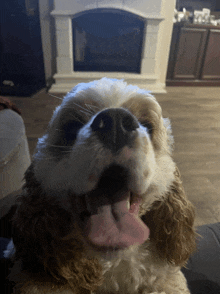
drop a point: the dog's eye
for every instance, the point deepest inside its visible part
(148, 126)
(70, 129)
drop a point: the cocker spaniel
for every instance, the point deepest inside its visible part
(103, 209)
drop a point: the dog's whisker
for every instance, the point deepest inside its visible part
(58, 146)
(93, 108)
(131, 105)
(47, 158)
(88, 114)
(56, 97)
(58, 130)
(83, 109)
(80, 106)
(66, 151)
(77, 118)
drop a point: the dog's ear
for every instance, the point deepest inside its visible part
(170, 221)
(45, 244)
(37, 221)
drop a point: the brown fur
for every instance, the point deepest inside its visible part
(41, 226)
(171, 225)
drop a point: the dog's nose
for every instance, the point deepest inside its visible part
(115, 127)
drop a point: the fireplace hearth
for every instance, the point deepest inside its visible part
(115, 39)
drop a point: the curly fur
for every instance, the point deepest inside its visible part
(171, 224)
(41, 225)
(51, 253)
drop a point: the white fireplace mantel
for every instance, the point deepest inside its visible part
(65, 10)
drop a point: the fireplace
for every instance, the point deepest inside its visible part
(107, 41)
(115, 39)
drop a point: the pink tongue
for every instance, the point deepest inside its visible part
(115, 226)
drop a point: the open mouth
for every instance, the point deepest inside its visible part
(110, 218)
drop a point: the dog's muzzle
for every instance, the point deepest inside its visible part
(116, 128)
(110, 213)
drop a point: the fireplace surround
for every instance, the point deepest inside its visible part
(66, 12)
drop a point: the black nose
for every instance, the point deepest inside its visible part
(115, 127)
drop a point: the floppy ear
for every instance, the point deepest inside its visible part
(170, 221)
(44, 244)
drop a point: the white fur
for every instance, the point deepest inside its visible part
(88, 157)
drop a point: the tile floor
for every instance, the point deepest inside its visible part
(195, 117)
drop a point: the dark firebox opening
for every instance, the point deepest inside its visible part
(107, 41)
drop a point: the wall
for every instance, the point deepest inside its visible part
(48, 39)
(165, 35)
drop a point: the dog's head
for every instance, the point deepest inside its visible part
(103, 175)
(109, 147)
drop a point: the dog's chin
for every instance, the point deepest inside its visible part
(108, 216)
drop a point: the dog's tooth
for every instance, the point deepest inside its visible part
(128, 203)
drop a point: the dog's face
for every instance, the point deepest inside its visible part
(107, 157)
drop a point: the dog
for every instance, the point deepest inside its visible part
(103, 209)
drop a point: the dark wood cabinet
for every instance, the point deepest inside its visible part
(194, 55)
(190, 52)
(211, 67)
